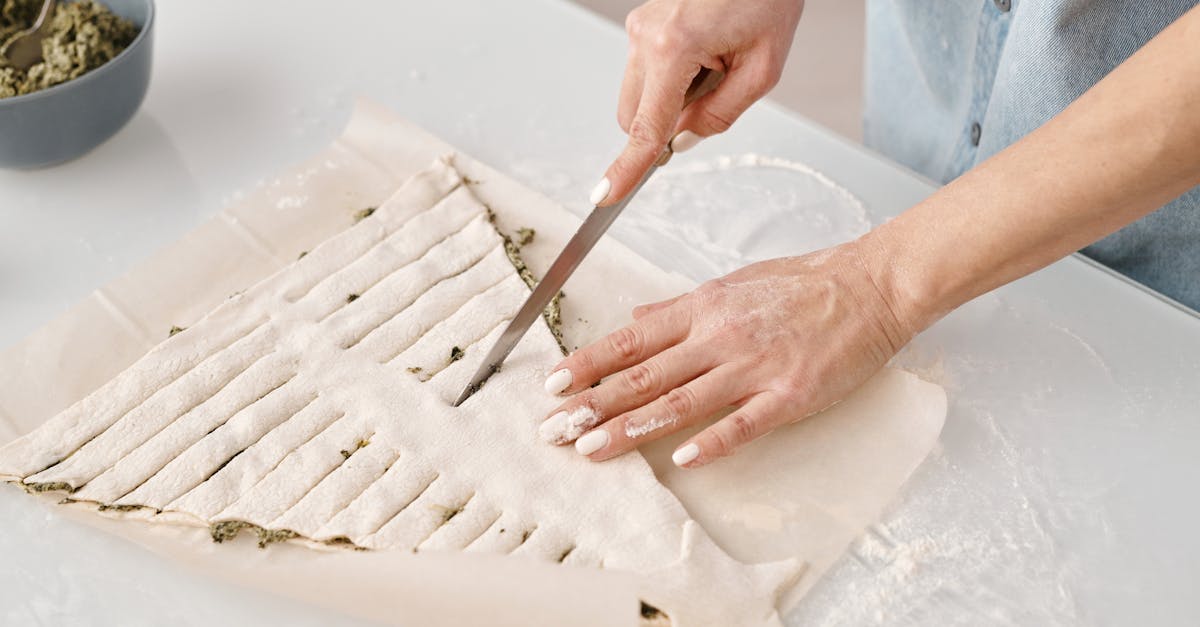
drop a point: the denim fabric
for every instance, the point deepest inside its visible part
(936, 69)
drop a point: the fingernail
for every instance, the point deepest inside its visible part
(600, 191)
(591, 442)
(559, 381)
(685, 454)
(551, 429)
(685, 141)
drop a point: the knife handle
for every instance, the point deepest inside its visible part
(704, 82)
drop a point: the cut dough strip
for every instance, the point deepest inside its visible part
(245, 471)
(185, 395)
(417, 195)
(465, 252)
(268, 377)
(402, 484)
(412, 242)
(395, 336)
(64, 434)
(467, 525)
(337, 490)
(210, 455)
(298, 473)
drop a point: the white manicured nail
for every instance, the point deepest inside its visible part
(600, 191)
(685, 141)
(559, 381)
(552, 427)
(591, 442)
(685, 454)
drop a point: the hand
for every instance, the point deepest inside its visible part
(669, 41)
(780, 340)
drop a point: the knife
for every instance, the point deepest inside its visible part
(590, 232)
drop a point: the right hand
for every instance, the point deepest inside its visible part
(780, 340)
(669, 41)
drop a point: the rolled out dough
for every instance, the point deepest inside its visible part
(314, 408)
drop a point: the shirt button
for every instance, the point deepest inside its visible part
(1003, 5)
(976, 132)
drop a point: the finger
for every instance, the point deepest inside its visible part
(649, 308)
(632, 388)
(758, 416)
(658, 109)
(635, 75)
(742, 86)
(678, 408)
(631, 90)
(617, 351)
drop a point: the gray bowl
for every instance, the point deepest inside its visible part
(68, 120)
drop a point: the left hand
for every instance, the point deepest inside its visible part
(780, 340)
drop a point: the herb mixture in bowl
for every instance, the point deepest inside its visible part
(83, 36)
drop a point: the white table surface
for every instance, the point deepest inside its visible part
(1063, 488)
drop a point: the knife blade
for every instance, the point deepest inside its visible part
(590, 232)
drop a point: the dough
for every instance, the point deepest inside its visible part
(315, 407)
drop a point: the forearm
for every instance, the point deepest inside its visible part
(1123, 149)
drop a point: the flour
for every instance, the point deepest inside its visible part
(700, 216)
(994, 530)
(291, 202)
(566, 427)
(642, 427)
(934, 561)
(752, 160)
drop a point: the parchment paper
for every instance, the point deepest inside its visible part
(808, 490)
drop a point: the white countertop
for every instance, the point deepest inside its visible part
(1062, 491)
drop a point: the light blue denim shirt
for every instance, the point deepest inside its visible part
(952, 82)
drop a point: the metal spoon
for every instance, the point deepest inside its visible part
(24, 49)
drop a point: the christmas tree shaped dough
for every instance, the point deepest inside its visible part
(315, 407)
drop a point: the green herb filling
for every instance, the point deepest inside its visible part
(84, 35)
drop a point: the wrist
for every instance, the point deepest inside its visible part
(911, 293)
(852, 264)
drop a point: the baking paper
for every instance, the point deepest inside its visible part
(806, 491)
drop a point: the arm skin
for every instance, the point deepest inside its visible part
(785, 338)
(1125, 148)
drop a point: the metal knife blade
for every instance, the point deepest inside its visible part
(590, 232)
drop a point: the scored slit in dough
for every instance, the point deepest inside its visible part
(315, 407)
